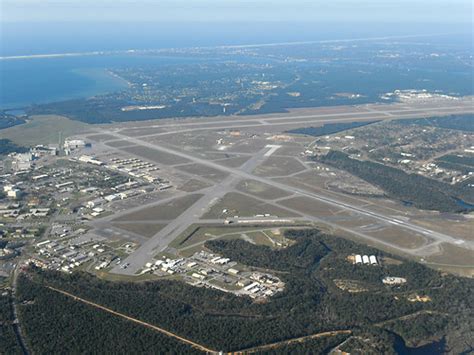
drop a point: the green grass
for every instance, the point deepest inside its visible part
(43, 129)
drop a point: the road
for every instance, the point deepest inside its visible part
(135, 320)
(192, 343)
(16, 321)
(160, 241)
(192, 215)
(383, 113)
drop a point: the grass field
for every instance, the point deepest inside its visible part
(193, 185)
(309, 206)
(166, 211)
(261, 190)
(155, 155)
(279, 166)
(43, 129)
(145, 229)
(203, 171)
(194, 237)
(101, 137)
(244, 206)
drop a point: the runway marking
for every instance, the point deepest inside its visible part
(272, 150)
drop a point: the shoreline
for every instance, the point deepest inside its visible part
(236, 46)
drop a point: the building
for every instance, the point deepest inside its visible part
(90, 160)
(74, 144)
(391, 280)
(233, 271)
(373, 260)
(365, 259)
(22, 161)
(358, 259)
(14, 194)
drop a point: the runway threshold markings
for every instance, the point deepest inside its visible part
(273, 148)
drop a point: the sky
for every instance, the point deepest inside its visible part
(58, 26)
(173, 11)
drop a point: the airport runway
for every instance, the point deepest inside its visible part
(161, 240)
(374, 114)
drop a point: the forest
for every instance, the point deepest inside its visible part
(463, 122)
(422, 192)
(330, 128)
(311, 302)
(7, 147)
(464, 164)
(8, 341)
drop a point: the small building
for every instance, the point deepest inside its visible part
(74, 143)
(233, 271)
(373, 260)
(365, 259)
(251, 286)
(358, 259)
(391, 280)
(198, 276)
(14, 194)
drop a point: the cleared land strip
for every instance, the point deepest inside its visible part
(192, 343)
(410, 316)
(134, 320)
(291, 341)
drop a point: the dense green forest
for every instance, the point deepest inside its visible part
(7, 146)
(312, 346)
(311, 302)
(423, 326)
(55, 324)
(329, 128)
(423, 192)
(104, 109)
(459, 122)
(8, 341)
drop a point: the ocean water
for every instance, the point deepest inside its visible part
(40, 80)
(24, 82)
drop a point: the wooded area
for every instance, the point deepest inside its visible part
(311, 302)
(422, 192)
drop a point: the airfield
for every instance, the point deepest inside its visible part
(244, 175)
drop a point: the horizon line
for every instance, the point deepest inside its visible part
(129, 51)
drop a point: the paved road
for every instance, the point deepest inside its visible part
(162, 239)
(383, 113)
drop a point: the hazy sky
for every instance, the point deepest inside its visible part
(426, 11)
